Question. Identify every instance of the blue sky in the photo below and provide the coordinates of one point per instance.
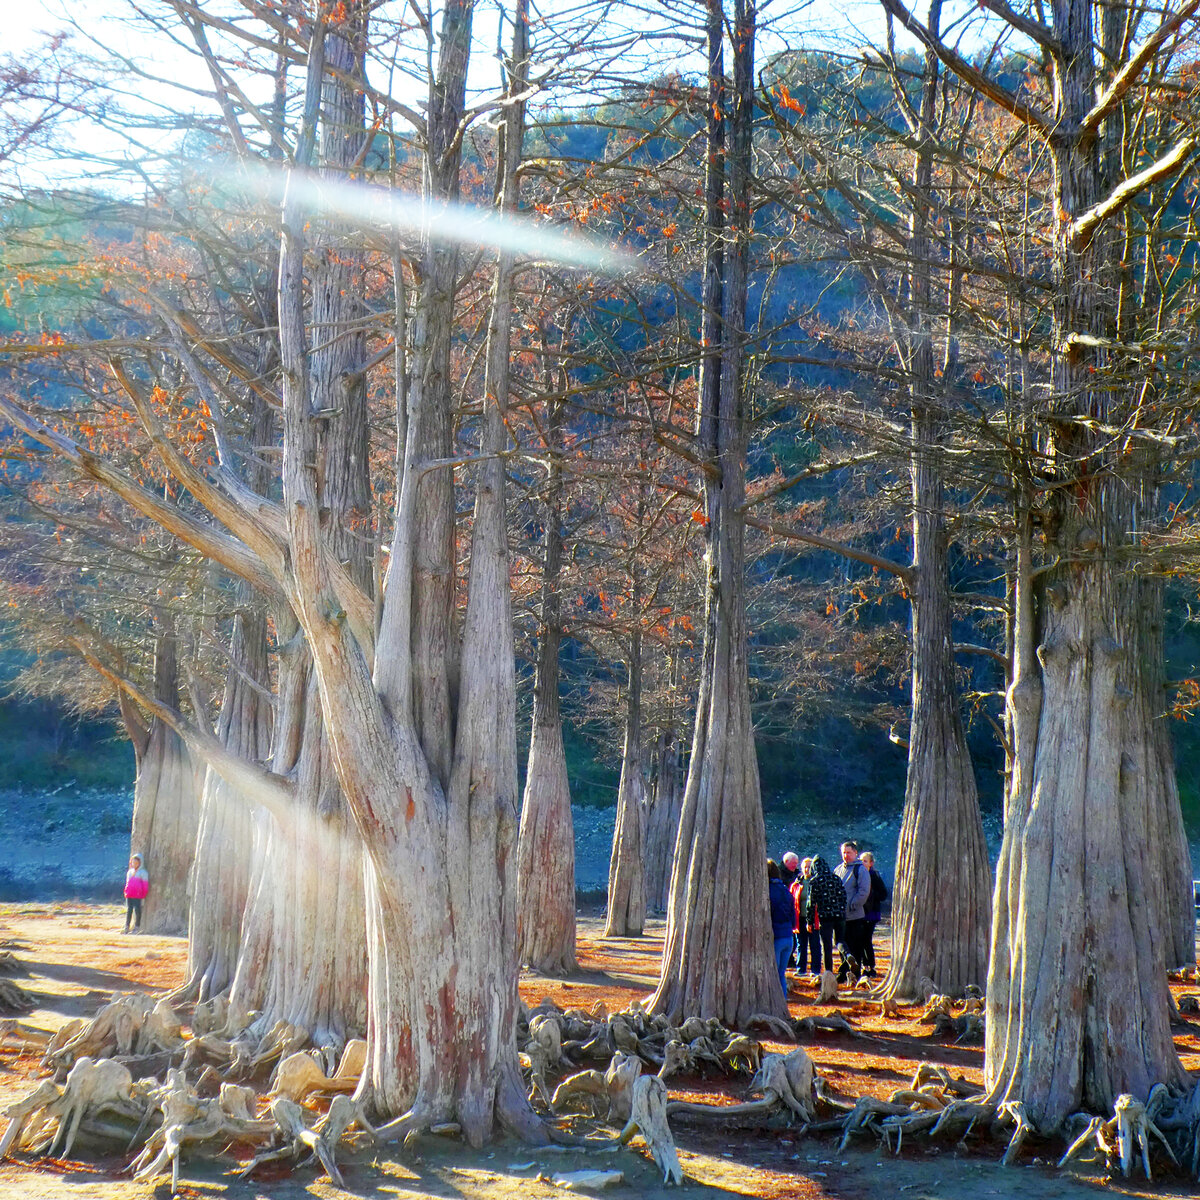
(849, 23)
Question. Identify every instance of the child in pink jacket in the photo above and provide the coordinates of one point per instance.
(137, 884)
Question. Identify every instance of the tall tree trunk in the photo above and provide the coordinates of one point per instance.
(306, 953)
(718, 959)
(666, 802)
(166, 802)
(546, 842)
(627, 868)
(1078, 1009)
(303, 954)
(441, 895)
(220, 880)
(942, 905)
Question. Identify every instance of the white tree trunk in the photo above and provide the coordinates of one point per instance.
(546, 857)
(546, 841)
(303, 952)
(432, 789)
(220, 880)
(166, 807)
(662, 820)
(1078, 1009)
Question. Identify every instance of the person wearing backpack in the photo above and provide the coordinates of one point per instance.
(824, 906)
(873, 910)
(856, 880)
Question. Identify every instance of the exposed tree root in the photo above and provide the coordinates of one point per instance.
(834, 1022)
(103, 1105)
(24, 1037)
(649, 1117)
(300, 1075)
(15, 999)
(319, 1142)
(785, 1082)
(1126, 1136)
(129, 1026)
(940, 1106)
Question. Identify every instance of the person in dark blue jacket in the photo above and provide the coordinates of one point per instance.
(783, 913)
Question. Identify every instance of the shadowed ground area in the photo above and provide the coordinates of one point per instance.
(76, 955)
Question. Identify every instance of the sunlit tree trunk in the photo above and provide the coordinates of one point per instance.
(1078, 1009)
(221, 870)
(305, 951)
(435, 801)
(942, 894)
(718, 958)
(546, 841)
(666, 800)
(166, 801)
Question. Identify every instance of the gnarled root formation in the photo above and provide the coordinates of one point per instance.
(1130, 1134)
(785, 1083)
(553, 1040)
(50, 1116)
(96, 1100)
(319, 1142)
(649, 1118)
(15, 999)
(937, 1105)
(622, 1045)
(127, 1027)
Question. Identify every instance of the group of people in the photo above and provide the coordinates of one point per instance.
(814, 909)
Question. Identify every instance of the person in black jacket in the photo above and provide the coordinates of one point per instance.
(825, 906)
(873, 910)
(782, 918)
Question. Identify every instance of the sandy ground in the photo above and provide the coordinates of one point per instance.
(77, 957)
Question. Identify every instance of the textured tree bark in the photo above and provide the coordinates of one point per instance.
(942, 894)
(718, 957)
(436, 806)
(1078, 1009)
(221, 870)
(303, 952)
(166, 803)
(546, 857)
(627, 869)
(662, 818)
(546, 841)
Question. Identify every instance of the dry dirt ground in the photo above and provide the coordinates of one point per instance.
(77, 957)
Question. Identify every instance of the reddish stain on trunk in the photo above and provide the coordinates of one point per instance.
(410, 808)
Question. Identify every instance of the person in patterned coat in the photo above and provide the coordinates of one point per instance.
(825, 906)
